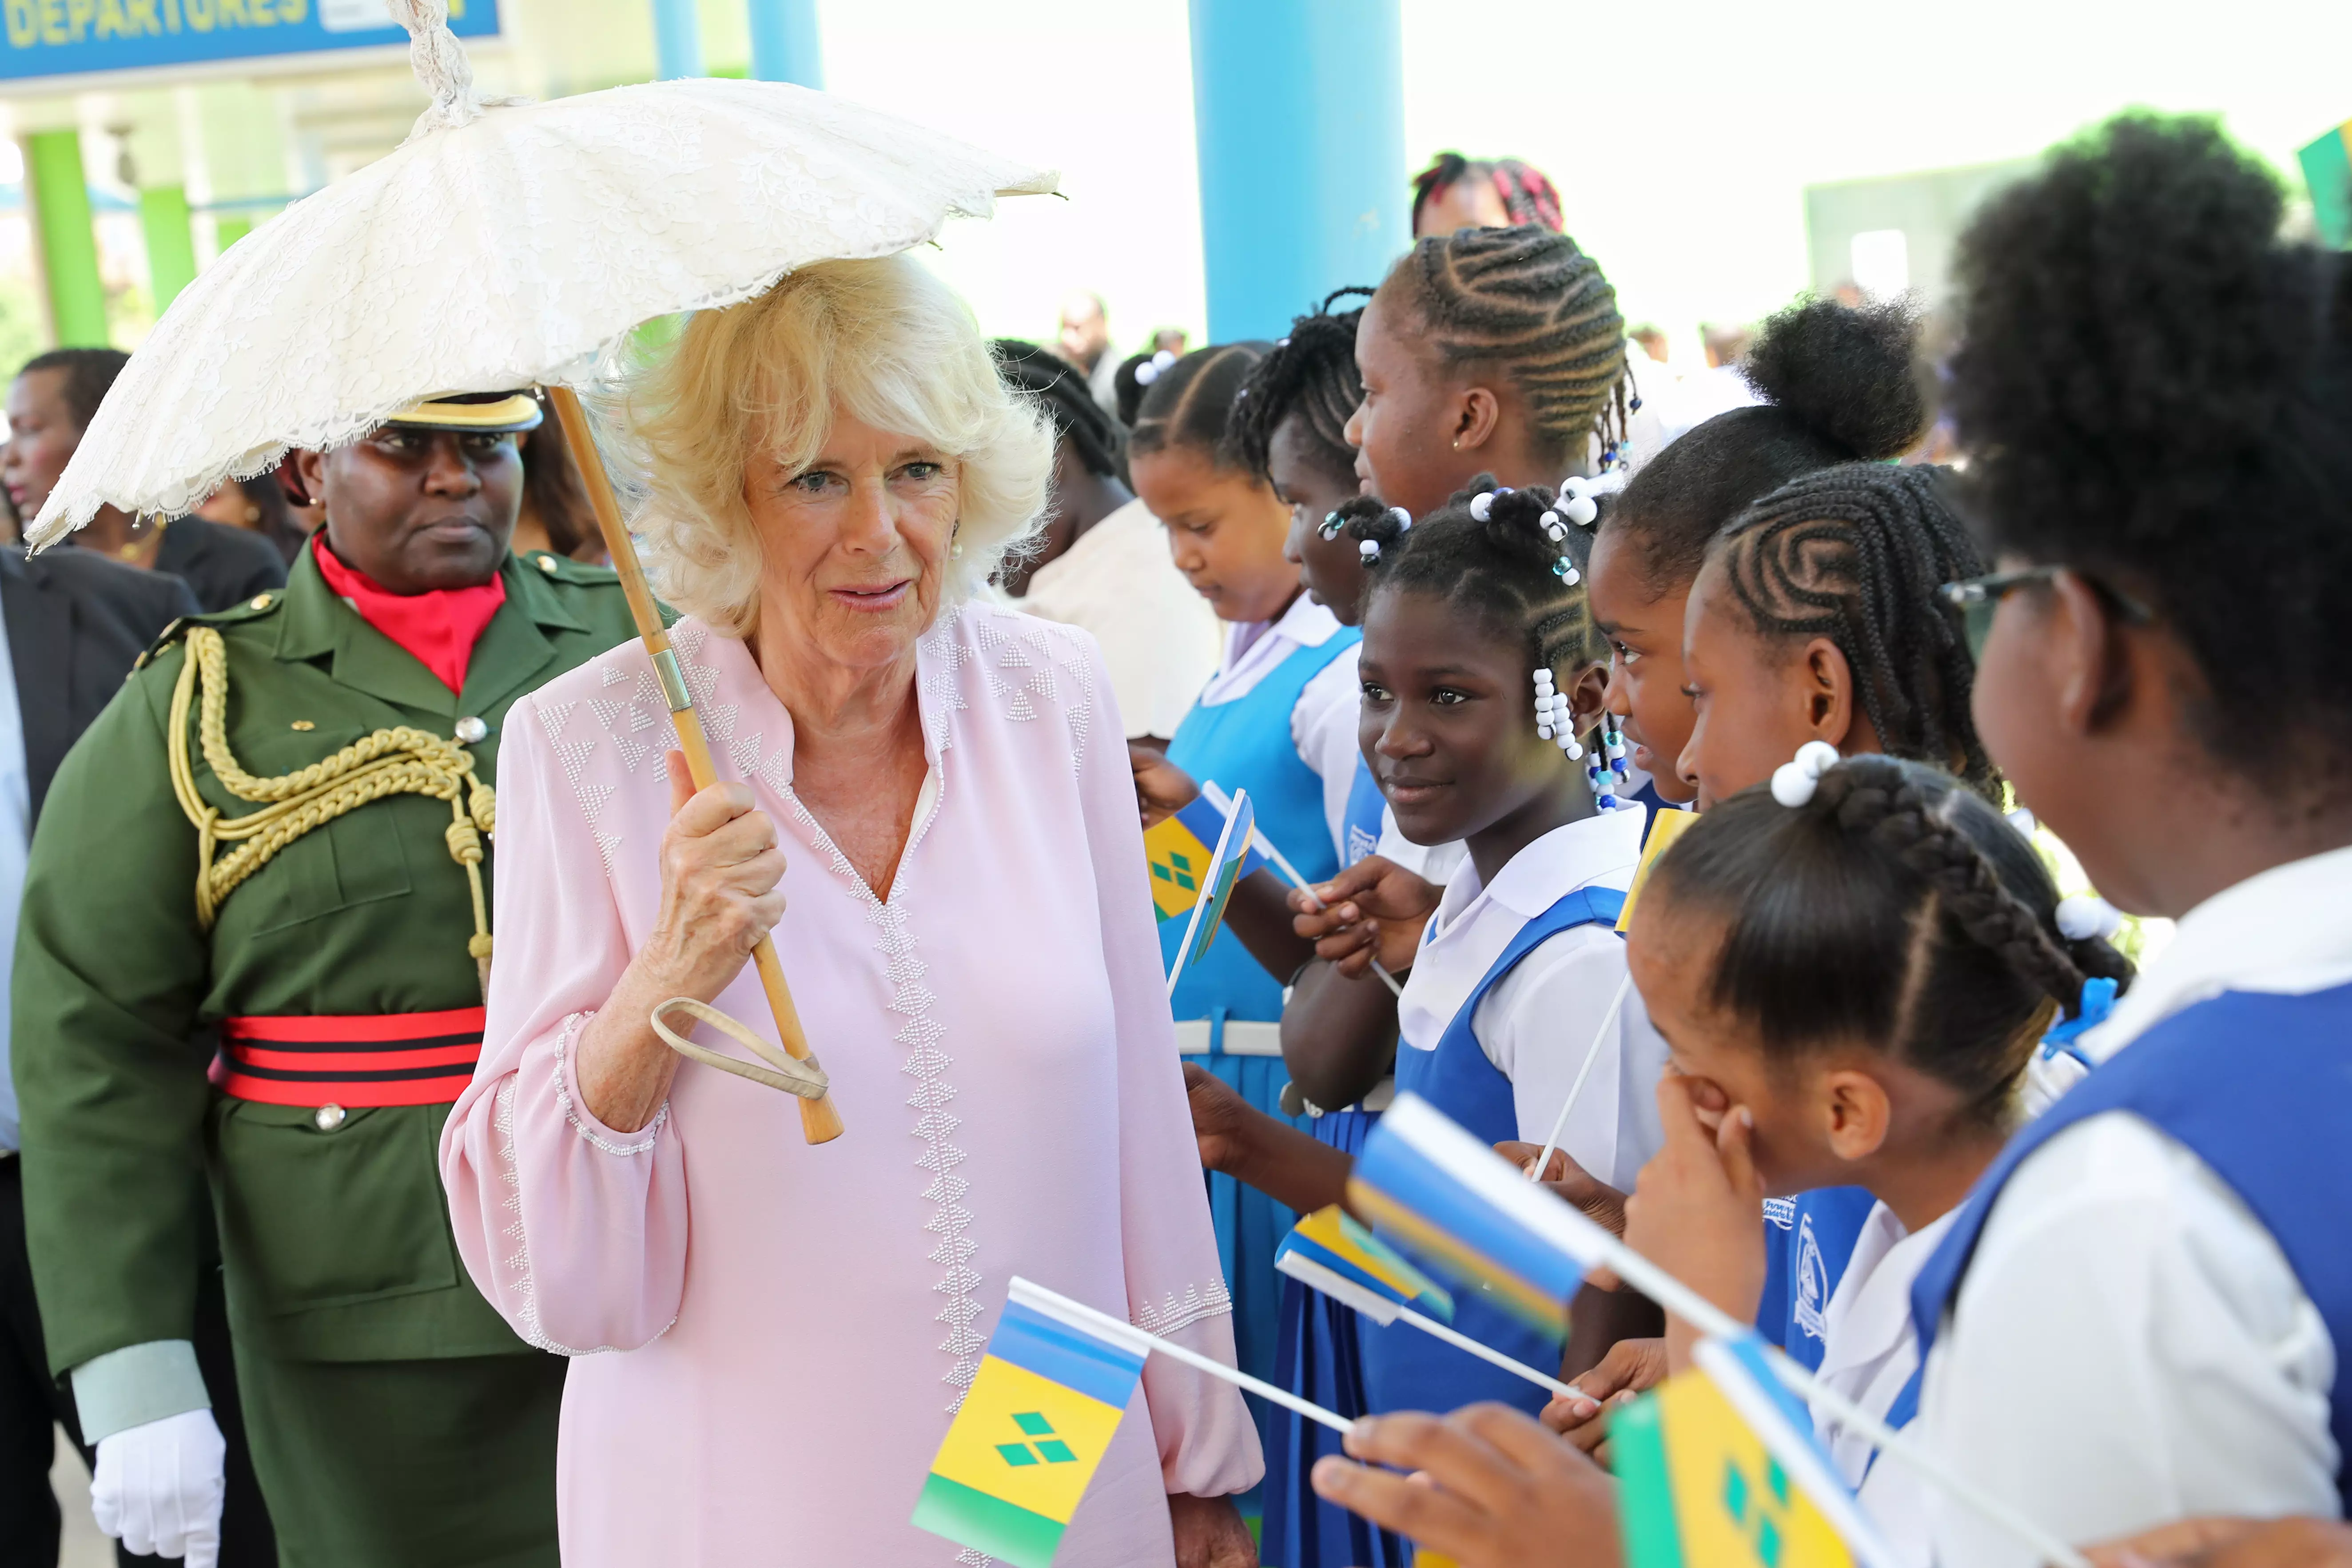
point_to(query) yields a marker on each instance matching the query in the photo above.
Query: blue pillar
(1297, 111)
(677, 39)
(785, 46)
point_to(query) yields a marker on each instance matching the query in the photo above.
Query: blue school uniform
(2253, 1085)
(1808, 1242)
(1404, 1368)
(1245, 744)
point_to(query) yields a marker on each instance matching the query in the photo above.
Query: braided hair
(1894, 910)
(1189, 402)
(1855, 554)
(1839, 385)
(1061, 391)
(1528, 196)
(1504, 569)
(2154, 388)
(1311, 374)
(1528, 302)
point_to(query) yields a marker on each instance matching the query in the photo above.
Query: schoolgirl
(1839, 386)
(2154, 1271)
(1276, 719)
(1852, 968)
(1494, 351)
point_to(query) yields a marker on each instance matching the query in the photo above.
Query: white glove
(158, 1488)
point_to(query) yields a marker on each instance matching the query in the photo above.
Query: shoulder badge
(251, 609)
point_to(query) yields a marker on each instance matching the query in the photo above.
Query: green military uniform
(395, 1417)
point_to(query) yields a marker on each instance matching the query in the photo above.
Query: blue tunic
(1245, 744)
(1404, 1368)
(2254, 1086)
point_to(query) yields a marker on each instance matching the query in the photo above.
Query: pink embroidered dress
(771, 1337)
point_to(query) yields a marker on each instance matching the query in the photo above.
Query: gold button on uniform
(327, 1117)
(304, 724)
(261, 601)
(546, 564)
(470, 729)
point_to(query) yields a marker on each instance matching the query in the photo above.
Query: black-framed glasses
(1973, 600)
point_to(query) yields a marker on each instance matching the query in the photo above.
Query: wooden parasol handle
(820, 1123)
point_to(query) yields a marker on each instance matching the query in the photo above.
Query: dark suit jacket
(77, 623)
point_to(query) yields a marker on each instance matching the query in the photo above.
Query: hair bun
(1849, 374)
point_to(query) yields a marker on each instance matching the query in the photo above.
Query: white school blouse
(2129, 1345)
(1537, 1024)
(1323, 720)
(1869, 1351)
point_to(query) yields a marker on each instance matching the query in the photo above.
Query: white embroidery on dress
(525, 1287)
(652, 1131)
(1172, 1314)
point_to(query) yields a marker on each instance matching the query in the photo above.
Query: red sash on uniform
(371, 1058)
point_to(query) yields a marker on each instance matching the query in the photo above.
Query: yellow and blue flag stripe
(1333, 1242)
(1179, 849)
(1719, 1468)
(1450, 1198)
(1035, 1424)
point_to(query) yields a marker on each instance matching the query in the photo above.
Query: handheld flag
(1178, 849)
(1719, 1468)
(1035, 1425)
(1218, 880)
(1453, 1200)
(1329, 1243)
(1665, 828)
(1358, 1270)
(2327, 171)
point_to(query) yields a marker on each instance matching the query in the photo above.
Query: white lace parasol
(504, 243)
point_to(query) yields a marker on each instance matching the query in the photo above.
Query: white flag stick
(1560, 1123)
(1208, 892)
(1383, 1311)
(1218, 798)
(1031, 1293)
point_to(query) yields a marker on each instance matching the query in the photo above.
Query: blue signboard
(72, 37)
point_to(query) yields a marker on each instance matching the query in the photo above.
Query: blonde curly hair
(884, 341)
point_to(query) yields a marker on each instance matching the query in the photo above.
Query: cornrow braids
(1189, 402)
(1504, 567)
(1893, 909)
(1855, 554)
(1532, 304)
(1062, 392)
(1311, 374)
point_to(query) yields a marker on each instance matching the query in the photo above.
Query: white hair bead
(1794, 781)
(1572, 749)
(1404, 518)
(2087, 916)
(1581, 511)
(1543, 732)
(1572, 577)
(1480, 505)
(1369, 549)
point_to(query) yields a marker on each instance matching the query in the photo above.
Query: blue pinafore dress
(1318, 1356)
(1245, 744)
(1404, 1368)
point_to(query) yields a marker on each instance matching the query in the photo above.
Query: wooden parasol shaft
(820, 1123)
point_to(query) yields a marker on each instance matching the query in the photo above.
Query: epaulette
(563, 568)
(260, 605)
(581, 575)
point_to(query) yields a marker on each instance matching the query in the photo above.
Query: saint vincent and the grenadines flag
(1719, 1469)
(1330, 1251)
(1179, 849)
(1035, 1425)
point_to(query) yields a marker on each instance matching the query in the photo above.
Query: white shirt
(1869, 1352)
(1159, 639)
(2129, 1345)
(1323, 720)
(15, 844)
(1540, 1020)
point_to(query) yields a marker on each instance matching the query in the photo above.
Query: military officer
(275, 843)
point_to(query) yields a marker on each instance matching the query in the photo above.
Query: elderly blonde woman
(932, 810)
